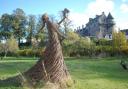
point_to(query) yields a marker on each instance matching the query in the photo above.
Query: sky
(80, 10)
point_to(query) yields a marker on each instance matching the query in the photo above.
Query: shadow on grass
(13, 67)
(10, 82)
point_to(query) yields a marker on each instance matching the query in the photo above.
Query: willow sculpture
(52, 67)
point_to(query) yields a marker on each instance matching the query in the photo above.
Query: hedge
(30, 52)
(109, 50)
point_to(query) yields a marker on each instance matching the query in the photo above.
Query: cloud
(124, 8)
(98, 6)
(78, 19)
(92, 9)
(122, 24)
(124, 0)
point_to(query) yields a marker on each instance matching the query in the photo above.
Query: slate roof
(110, 16)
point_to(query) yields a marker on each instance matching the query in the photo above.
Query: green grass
(103, 73)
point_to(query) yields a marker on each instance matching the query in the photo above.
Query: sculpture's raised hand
(65, 13)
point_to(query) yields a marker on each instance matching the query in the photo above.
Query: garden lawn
(102, 73)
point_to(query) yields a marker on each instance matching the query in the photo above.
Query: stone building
(100, 27)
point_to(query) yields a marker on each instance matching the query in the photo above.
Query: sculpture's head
(45, 18)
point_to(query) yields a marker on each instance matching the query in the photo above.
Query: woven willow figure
(52, 68)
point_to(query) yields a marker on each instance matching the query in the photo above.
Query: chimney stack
(82, 26)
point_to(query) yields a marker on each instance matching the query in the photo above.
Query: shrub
(9, 47)
(30, 52)
(124, 50)
(104, 49)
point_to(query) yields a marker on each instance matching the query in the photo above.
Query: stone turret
(110, 23)
(110, 16)
(110, 19)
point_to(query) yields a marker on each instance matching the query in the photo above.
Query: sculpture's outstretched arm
(65, 13)
(61, 21)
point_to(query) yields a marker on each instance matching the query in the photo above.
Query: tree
(19, 24)
(12, 45)
(69, 44)
(122, 39)
(6, 27)
(119, 41)
(75, 45)
(4, 49)
(9, 46)
(31, 28)
(40, 36)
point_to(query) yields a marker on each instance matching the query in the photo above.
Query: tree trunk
(19, 42)
(5, 53)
